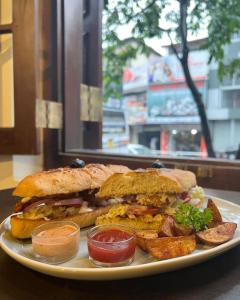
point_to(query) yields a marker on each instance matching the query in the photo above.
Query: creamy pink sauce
(57, 242)
(56, 233)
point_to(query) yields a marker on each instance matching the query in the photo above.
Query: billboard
(162, 70)
(167, 69)
(171, 100)
(135, 77)
(135, 74)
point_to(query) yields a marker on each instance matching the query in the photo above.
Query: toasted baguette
(22, 228)
(149, 181)
(66, 180)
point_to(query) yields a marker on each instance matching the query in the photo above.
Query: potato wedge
(180, 230)
(170, 247)
(171, 228)
(167, 227)
(217, 235)
(217, 218)
(143, 235)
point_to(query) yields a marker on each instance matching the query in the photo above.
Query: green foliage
(224, 23)
(117, 53)
(192, 217)
(145, 19)
(115, 60)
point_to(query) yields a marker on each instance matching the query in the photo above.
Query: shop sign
(136, 110)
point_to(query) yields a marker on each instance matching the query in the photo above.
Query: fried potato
(170, 227)
(167, 227)
(170, 247)
(180, 230)
(217, 235)
(143, 235)
(217, 218)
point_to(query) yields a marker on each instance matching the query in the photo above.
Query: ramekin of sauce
(56, 242)
(111, 245)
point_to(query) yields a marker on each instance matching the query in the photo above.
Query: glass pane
(148, 107)
(5, 11)
(6, 81)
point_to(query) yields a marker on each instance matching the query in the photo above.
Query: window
(231, 98)
(75, 81)
(6, 81)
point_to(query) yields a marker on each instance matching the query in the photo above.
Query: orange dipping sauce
(56, 242)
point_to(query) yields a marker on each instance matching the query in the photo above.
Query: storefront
(170, 104)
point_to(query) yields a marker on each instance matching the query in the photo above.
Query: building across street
(158, 112)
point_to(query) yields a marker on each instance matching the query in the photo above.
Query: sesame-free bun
(149, 181)
(22, 228)
(66, 180)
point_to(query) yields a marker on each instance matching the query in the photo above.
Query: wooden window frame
(24, 137)
(211, 173)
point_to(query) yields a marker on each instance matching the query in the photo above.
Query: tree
(180, 18)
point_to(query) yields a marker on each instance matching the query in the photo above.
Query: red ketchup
(111, 245)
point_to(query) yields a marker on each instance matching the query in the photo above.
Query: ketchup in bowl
(111, 245)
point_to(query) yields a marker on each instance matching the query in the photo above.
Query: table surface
(218, 278)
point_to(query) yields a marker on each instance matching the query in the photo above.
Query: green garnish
(191, 217)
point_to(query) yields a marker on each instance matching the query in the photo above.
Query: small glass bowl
(111, 245)
(56, 242)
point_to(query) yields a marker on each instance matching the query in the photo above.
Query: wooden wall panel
(24, 137)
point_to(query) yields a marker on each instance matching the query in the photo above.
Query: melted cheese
(117, 215)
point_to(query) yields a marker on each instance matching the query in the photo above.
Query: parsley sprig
(192, 217)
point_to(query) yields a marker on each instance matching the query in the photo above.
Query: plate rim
(118, 272)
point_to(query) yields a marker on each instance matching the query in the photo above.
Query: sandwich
(60, 194)
(148, 196)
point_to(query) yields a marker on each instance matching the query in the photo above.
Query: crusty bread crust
(135, 224)
(22, 228)
(66, 180)
(149, 181)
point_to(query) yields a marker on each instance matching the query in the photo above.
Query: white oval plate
(80, 267)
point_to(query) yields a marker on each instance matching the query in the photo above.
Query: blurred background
(149, 105)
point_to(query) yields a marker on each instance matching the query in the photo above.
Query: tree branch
(183, 28)
(189, 80)
(168, 31)
(173, 47)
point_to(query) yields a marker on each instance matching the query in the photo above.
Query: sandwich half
(147, 196)
(60, 194)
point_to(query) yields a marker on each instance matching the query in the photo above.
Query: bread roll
(149, 181)
(136, 224)
(66, 180)
(60, 182)
(22, 228)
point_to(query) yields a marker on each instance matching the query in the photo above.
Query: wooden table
(218, 278)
